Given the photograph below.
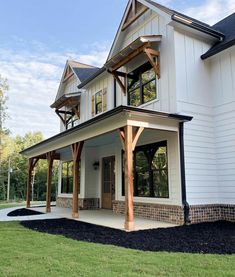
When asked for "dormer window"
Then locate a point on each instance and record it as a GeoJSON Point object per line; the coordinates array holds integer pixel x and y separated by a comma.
{"type": "Point", "coordinates": [142, 85]}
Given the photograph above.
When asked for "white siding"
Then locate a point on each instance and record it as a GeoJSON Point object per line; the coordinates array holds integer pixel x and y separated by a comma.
{"type": "Point", "coordinates": [194, 97]}
{"type": "Point", "coordinates": [223, 80]}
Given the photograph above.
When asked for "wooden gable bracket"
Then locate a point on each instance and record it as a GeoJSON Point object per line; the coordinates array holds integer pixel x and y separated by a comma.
{"type": "Point", "coordinates": [154, 59]}
{"type": "Point", "coordinates": [58, 112]}
{"type": "Point", "coordinates": [135, 11]}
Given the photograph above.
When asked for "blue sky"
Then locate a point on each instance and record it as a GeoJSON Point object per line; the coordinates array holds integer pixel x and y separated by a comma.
{"type": "Point", "coordinates": [38, 36]}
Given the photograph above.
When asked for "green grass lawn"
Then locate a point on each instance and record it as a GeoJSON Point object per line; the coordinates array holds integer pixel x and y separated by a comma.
{"type": "Point", "coordinates": [27, 253]}
{"type": "Point", "coordinates": [5, 205]}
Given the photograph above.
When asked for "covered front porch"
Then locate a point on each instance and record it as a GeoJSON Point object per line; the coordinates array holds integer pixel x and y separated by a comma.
{"type": "Point", "coordinates": [104, 218]}
{"type": "Point", "coordinates": [125, 127]}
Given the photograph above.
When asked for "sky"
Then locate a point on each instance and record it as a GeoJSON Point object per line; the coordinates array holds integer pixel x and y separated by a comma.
{"type": "Point", "coordinates": [38, 36]}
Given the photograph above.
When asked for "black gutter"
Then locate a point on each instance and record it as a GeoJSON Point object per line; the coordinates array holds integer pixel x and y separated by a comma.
{"type": "Point", "coordinates": [217, 49]}
{"type": "Point", "coordinates": [92, 77]}
{"type": "Point", "coordinates": [114, 93]}
{"type": "Point", "coordinates": [105, 115]}
{"type": "Point", "coordinates": [199, 27]}
{"type": "Point", "coordinates": [183, 178]}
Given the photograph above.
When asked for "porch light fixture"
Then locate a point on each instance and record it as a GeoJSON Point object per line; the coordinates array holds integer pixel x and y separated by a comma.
{"type": "Point", "coordinates": [96, 165]}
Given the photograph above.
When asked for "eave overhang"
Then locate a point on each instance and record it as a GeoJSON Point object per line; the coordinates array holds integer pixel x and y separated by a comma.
{"type": "Point", "coordinates": [139, 43]}
{"type": "Point", "coordinates": [66, 100]}
{"type": "Point", "coordinates": [106, 123]}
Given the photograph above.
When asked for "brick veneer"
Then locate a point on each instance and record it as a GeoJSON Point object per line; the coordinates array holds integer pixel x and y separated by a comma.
{"type": "Point", "coordinates": [84, 204]}
{"type": "Point", "coordinates": [175, 214]}
{"type": "Point", "coordinates": [166, 213]}
{"type": "Point", "coordinates": [202, 213]}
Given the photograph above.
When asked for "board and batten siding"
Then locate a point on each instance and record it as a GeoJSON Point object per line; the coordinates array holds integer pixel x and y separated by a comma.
{"type": "Point", "coordinates": [223, 86]}
{"type": "Point", "coordinates": [195, 98]}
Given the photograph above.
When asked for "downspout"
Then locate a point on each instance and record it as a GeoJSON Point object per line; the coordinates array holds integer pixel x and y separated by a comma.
{"type": "Point", "coordinates": [114, 93]}
{"type": "Point", "coordinates": [183, 179]}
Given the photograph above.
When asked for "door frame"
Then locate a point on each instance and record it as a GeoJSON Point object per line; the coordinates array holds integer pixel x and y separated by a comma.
{"type": "Point", "coordinates": [102, 180]}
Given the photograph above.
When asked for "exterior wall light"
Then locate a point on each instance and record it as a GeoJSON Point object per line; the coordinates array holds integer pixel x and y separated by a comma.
{"type": "Point", "coordinates": [96, 165]}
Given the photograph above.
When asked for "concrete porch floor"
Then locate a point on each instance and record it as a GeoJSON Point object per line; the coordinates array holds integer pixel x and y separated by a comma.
{"type": "Point", "coordinates": [105, 218]}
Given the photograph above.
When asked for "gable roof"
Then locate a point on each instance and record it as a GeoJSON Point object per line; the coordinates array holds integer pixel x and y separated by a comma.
{"type": "Point", "coordinates": [80, 70]}
{"type": "Point", "coordinates": [227, 26]}
{"type": "Point", "coordinates": [174, 16]}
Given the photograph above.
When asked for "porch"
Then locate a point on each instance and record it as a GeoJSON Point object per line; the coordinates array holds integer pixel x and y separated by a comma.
{"type": "Point", "coordinates": [116, 133]}
{"type": "Point", "coordinates": [104, 218]}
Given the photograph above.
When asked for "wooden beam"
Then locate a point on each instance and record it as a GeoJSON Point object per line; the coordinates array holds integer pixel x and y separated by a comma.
{"type": "Point", "coordinates": [31, 165]}
{"type": "Point", "coordinates": [60, 116]}
{"type": "Point", "coordinates": [50, 159]}
{"type": "Point", "coordinates": [131, 56]}
{"type": "Point", "coordinates": [151, 54]}
{"type": "Point", "coordinates": [129, 191]}
{"type": "Point", "coordinates": [76, 153]}
{"type": "Point", "coordinates": [133, 19]}
{"type": "Point", "coordinates": [137, 133]}
{"type": "Point", "coordinates": [121, 134]}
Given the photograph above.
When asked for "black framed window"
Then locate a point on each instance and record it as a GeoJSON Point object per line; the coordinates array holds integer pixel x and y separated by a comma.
{"type": "Point", "coordinates": [71, 118]}
{"type": "Point", "coordinates": [67, 178]}
{"type": "Point", "coordinates": [150, 171]}
{"type": "Point", "coordinates": [98, 102]}
{"type": "Point", "coordinates": [142, 86]}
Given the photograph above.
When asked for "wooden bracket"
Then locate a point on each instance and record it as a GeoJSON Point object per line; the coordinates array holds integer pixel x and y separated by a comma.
{"type": "Point", "coordinates": [134, 13]}
{"type": "Point", "coordinates": [152, 54]}
{"type": "Point", "coordinates": [135, 136]}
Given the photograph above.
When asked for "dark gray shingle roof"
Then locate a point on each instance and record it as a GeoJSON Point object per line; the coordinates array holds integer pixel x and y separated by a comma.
{"type": "Point", "coordinates": [226, 26]}
{"type": "Point", "coordinates": [84, 73]}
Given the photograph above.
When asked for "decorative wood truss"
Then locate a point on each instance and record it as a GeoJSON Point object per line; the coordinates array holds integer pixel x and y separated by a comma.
{"type": "Point", "coordinates": [135, 11]}
{"type": "Point", "coordinates": [71, 101]}
{"type": "Point", "coordinates": [143, 45]}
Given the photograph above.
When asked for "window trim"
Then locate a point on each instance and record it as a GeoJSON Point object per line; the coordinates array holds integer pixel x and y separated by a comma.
{"type": "Point", "coordinates": [98, 103]}
{"type": "Point", "coordinates": [140, 70]}
{"type": "Point", "coordinates": [159, 144]}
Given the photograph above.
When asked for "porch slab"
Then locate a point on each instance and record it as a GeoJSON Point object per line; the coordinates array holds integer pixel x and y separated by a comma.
{"type": "Point", "coordinates": [105, 218]}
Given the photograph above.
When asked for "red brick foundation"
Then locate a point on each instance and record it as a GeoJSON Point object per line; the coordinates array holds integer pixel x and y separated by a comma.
{"type": "Point", "coordinates": [84, 204]}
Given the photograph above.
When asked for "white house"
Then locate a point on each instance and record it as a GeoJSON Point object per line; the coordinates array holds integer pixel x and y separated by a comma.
{"type": "Point", "coordinates": [152, 132]}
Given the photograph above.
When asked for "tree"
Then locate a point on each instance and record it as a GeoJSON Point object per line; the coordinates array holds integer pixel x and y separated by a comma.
{"type": "Point", "coordinates": [3, 114]}
{"type": "Point", "coordinates": [19, 164]}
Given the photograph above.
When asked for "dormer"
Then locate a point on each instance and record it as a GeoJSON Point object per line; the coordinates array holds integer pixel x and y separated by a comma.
{"type": "Point", "coordinates": [67, 103]}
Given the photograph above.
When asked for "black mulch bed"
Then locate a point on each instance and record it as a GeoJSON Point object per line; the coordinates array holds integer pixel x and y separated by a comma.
{"type": "Point", "coordinates": [208, 238]}
{"type": "Point", "coordinates": [23, 212]}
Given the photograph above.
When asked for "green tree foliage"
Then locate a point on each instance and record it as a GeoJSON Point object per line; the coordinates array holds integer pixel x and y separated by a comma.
{"type": "Point", "coordinates": [19, 164]}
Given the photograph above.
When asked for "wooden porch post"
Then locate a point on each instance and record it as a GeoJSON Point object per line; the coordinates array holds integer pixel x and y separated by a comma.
{"type": "Point", "coordinates": [31, 165]}
{"type": "Point", "coordinates": [129, 138]}
{"type": "Point", "coordinates": [50, 159]}
{"type": "Point", "coordinates": [76, 153]}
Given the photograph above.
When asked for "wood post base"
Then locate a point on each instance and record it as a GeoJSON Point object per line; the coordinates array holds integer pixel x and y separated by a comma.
{"type": "Point", "coordinates": [28, 206]}
{"type": "Point", "coordinates": [129, 226]}
{"type": "Point", "coordinates": [75, 215]}
{"type": "Point", "coordinates": [48, 210]}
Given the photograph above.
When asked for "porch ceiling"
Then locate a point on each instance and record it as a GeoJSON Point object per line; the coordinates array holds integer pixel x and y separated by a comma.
{"type": "Point", "coordinates": [107, 123]}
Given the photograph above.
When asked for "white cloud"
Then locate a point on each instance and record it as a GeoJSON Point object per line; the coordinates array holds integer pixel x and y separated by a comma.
{"type": "Point", "coordinates": [211, 11]}
{"type": "Point", "coordinates": [33, 79]}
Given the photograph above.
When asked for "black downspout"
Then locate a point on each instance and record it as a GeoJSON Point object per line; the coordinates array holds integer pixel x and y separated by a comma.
{"type": "Point", "coordinates": [114, 93]}
{"type": "Point", "coordinates": [183, 179]}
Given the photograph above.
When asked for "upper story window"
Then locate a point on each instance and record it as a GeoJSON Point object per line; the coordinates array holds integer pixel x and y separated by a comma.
{"type": "Point", "coordinates": [142, 85]}
{"type": "Point", "coordinates": [98, 102]}
{"type": "Point", "coordinates": [71, 117]}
